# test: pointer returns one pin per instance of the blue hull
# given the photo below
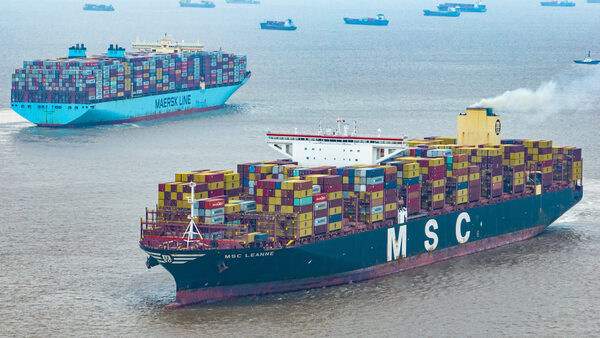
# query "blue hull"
(581, 62)
(465, 10)
(435, 13)
(197, 5)
(279, 28)
(558, 4)
(350, 21)
(123, 111)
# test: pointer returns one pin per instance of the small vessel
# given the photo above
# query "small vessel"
(379, 20)
(593, 1)
(201, 4)
(588, 60)
(244, 2)
(558, 3)
(286, 25)
(462, 7)
(450, 12)
(94, 7)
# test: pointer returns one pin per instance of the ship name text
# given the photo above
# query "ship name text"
(396, 245)
(173, 101)
(250, 255)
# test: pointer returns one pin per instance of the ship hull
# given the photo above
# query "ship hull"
(197, 5)
(446, 14)
(213, 275)
(125, 111)
(558, 4)
(277, 28)
(350, 21)
(582, 62)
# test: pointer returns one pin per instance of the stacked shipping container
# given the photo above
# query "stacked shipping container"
(102, 78)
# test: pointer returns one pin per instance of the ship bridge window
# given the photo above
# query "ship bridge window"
(28, 106)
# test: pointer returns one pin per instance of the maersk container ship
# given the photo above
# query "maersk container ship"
(345, 208)
(157, 80)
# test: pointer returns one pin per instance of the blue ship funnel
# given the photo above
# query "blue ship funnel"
(77, 51)
(116, 51)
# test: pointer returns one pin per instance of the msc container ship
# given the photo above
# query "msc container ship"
(343, 208)
(157, 80)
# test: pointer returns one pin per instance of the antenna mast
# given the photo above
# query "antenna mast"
(192, 229)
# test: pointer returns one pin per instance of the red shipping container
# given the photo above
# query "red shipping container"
(319, 198)
(215, 193)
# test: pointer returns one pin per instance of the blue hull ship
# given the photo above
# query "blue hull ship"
(380, 20)
(462, 7)
(557, 4)
(287, 25)
(201, 4)
(427, 12)
(125, 111)
(101, 8)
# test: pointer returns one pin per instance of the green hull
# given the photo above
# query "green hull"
(212, 275)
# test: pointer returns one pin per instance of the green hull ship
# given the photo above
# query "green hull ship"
(240, 262)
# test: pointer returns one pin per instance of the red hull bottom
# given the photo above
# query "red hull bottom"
(135, 119)
(212, 294)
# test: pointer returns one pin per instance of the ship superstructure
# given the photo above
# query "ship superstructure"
(336, 147)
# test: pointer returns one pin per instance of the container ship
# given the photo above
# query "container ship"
(103, 8)
(201, 4)
(558, 3)
(451, 12)
(286, 25)
(379, 20)
(461, 7)
(342, 208)
(157, 80)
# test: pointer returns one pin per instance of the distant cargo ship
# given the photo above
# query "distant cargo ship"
(94, 7)
(286, 25)
(379, 20)
(558, 3)
(588, 60)
(462, 7)
(247, 2)
(593, 1)
(346, 208)
(159, 80)
(450, 13)
(201, 4)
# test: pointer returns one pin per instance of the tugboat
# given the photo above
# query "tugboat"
(451, 12)
(94, 7)
(558, 3)
(286, 25)
(201, 4)
(379, 20)
(587, 61)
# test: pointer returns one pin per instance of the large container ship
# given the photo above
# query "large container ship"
(157, 80)
(100, 7)
(462, 7)
(344, 208)
(379, 20)
(558, 3)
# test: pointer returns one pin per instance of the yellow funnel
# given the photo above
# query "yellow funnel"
(478, 126)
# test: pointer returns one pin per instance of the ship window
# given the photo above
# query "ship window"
(70, 107)
(305, 148)
(313, 148)
(307, 157)
(22, 106)
(356, 160)
(358, 151)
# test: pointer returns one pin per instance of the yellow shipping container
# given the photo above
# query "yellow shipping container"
(497, 179)
(231, 208)
(306, 232)
(305, 216)
(271, 208)
(259, 207)
(462, 192)
(377, 217)
(275, 200)
(305, 224)
(546, 170)
(259, 192)
(216, 185)
(334, 195)
(391, 207)
(278, 193)
(335, 210)
(377, 194)
(232, 185)
(464, 178)
(302, 193)
(439, 183)
(287, 209)
(335, 226)
(438, 197)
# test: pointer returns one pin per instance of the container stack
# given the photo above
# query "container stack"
(513, 160)
(489, 161)
(327, 202)
(210, 211)
(538, 157)
(433, 186)
(363, 192)
(457, 179)
(102, 78)
(251, 173)
(409, 185)
(574, 167)
(287, 197)
(176, 194)
(474, 193)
